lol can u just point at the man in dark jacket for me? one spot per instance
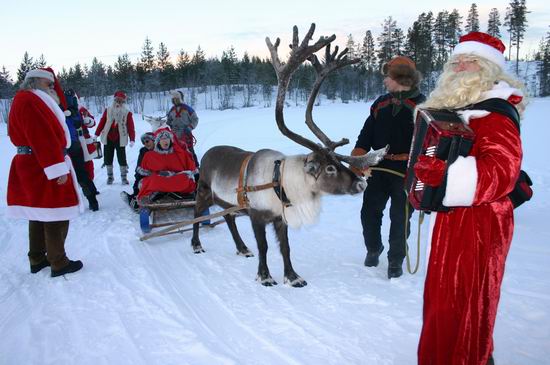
(390, 123)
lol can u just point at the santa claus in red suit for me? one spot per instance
(167, 168)
(469, 244)
(88, 146)
(42, 184)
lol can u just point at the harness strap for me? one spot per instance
(277, 185)
(242, 199)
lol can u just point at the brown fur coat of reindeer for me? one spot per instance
(291, 186)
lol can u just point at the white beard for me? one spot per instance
(53, 94)
(119, 112)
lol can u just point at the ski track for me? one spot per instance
(155, 302)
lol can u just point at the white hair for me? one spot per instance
(459, 89)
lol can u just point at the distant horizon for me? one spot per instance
(213, 26)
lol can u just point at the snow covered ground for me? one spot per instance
(156, 302)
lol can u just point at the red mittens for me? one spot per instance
(429, 170)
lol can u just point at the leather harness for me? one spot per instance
(243, 188)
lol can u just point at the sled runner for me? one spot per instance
(173, 213)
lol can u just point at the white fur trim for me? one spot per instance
(461, 182)
(43, 74)
(42, 214)
(57, 170)
(482, 50)
(502, 90)
(50, 103)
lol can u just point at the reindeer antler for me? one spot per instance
(298, 54)
(332, 62)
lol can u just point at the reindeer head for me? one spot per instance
(324, 163)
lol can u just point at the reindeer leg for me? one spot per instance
(264, 277)
(203, 200)
(242, 250)
(291, 278)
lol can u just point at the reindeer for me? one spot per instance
(275, 188)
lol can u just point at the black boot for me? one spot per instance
(372, 258)
(93, 204)
(395, 269)
(36, 268)
(72, 266)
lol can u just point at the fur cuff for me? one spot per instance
(461, 182)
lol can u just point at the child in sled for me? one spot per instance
(168, 168)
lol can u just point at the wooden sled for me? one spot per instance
(173, 215)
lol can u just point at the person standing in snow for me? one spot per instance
(390, 123)
(116, 130)
(470, 243)
(182, 119)
(78, 149)
(42, 184)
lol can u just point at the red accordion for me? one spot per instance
(440, 134)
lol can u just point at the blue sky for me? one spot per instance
(67, 32)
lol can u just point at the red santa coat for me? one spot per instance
(177, 161)
(87, 142)
(37, 122)
(470, 243)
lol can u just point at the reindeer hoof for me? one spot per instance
(266, 281)
(296, 283)
(198, 249)
(245, 253)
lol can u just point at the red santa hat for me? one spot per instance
(482, 45)
(47, 73)
(120, 94)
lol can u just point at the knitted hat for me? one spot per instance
(177, 94)
(47, 73)
(402, 70)
(120, 94)
(482, 45)
(163, 133)
(147, 136)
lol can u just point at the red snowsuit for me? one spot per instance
(470, 243)
(177, 161)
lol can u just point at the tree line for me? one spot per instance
(428, 41)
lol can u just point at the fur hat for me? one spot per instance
(482, 45)
(402, 70)
(147, 136)
(177, 94)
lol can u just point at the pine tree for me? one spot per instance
(183, 65)
(398, 39)
(6, 86)
(472, 20)
(123, 72)
(441, 25)
(454, 29)
(493, 23)
(40, 62)
(544, 66)
(386, 41)
(26, 65)
(163, 57)
(517, 25)
(147, 60)
(350, 45)
(198, 64)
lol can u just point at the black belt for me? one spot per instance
(26, 150)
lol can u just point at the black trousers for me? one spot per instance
(381, 187)
(109, 153)
(47, 241)
(77, 158)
